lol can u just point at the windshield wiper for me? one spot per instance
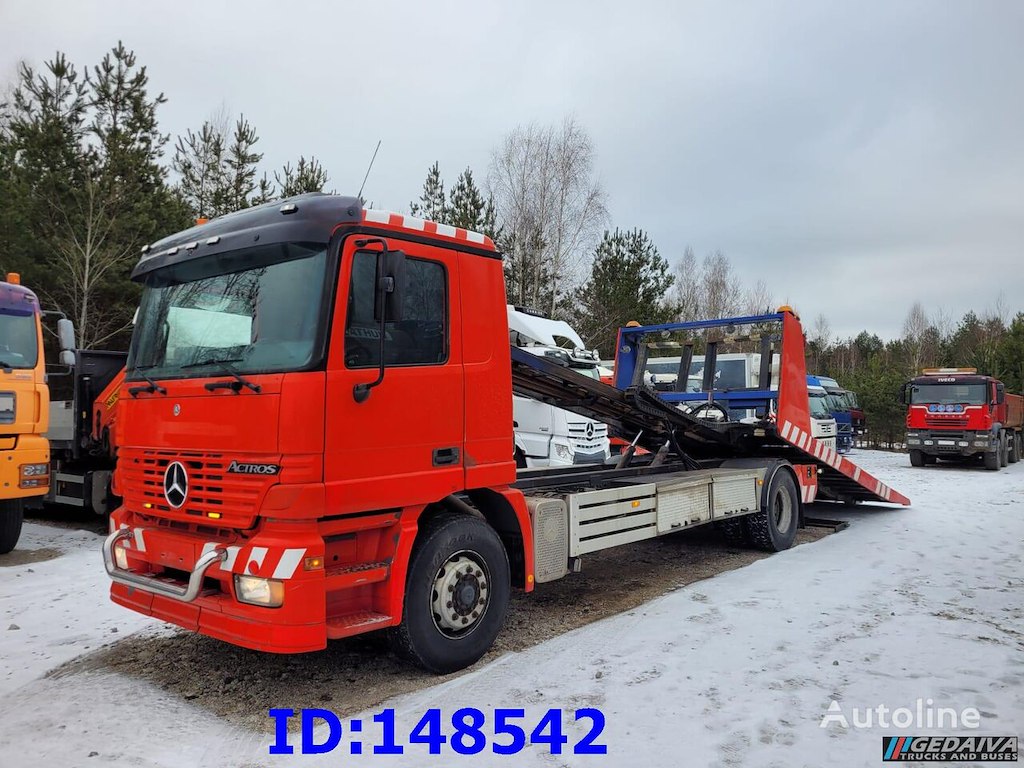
(227, 369)
(151, 386)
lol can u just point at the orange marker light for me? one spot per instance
(313, 563)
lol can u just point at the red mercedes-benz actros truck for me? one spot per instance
(958, 414)
(284, 483)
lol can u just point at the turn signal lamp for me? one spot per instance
(313, 563)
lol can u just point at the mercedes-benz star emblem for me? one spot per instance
(177, 409)
(175, 484)
(590, 429)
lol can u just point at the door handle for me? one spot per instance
(444, 457)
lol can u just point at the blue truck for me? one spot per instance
(838, 405)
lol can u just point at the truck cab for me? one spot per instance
(957, 413)
(546, 436)
(838, 408)
(24, 408)
(823, 423)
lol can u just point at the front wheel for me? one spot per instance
(12, 513)
(456, 594)
(773, 529)
(991, 459)
(916, 458)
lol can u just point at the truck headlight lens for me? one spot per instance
(34, 475)
(256, 590)
(121, 558)
(963, 443)
(563, 451)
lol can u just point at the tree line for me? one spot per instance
(86, 180)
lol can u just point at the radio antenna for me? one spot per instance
(368, 169)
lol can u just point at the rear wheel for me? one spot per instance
(1012, 448)
(1003, 450)
(773, 529)
(733, 530)
(456, 594)
(12, 513)
(916, 458)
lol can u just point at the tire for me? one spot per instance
(1003, 450)
(520, 459)
(991, 459)
(733, 530)
(464, 554)
(12, 513)
(1012, 448)
(773, 529)
(916, 458)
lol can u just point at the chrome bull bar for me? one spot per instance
(154, 585)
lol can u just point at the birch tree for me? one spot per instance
(551, 207)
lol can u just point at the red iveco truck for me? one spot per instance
(283, 484)
(958, 414)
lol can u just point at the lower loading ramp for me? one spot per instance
(640, 411)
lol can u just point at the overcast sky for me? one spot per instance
(857, 156)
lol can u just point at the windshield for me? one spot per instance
(973, 394)
(851, 400)
(836, 403)
(588, 370)
(670, 367)
(256, 310)
(18, 341)
(819, 405)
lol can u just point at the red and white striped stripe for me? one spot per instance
(801, 439)
(269, 562)
(375, 216)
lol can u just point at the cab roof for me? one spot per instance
(309, 218)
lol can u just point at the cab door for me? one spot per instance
(404, 444)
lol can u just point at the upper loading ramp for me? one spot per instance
(781, 429)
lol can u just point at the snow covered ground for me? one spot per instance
(907, 604)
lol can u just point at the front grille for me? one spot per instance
(588, 443)
(946, 421)
(210, 489)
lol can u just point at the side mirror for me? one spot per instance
(67, 357)
(66, 334)
(387, 304)
(1000, 393)
(905, 394)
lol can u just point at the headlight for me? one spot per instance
(563, 451)
(34, 475)
(121, 558)
(259, 591)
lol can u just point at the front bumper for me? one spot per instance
(186, 579)
(28, 449)
(950, 444)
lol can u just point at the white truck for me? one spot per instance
(547, 436)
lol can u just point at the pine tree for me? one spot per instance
(89, 154)
(199, 161)
(628, 281)
(468, 209)
(308, 176)
(240, 167)
(432, 204)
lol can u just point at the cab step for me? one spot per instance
(356, 575)
(356, 623)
